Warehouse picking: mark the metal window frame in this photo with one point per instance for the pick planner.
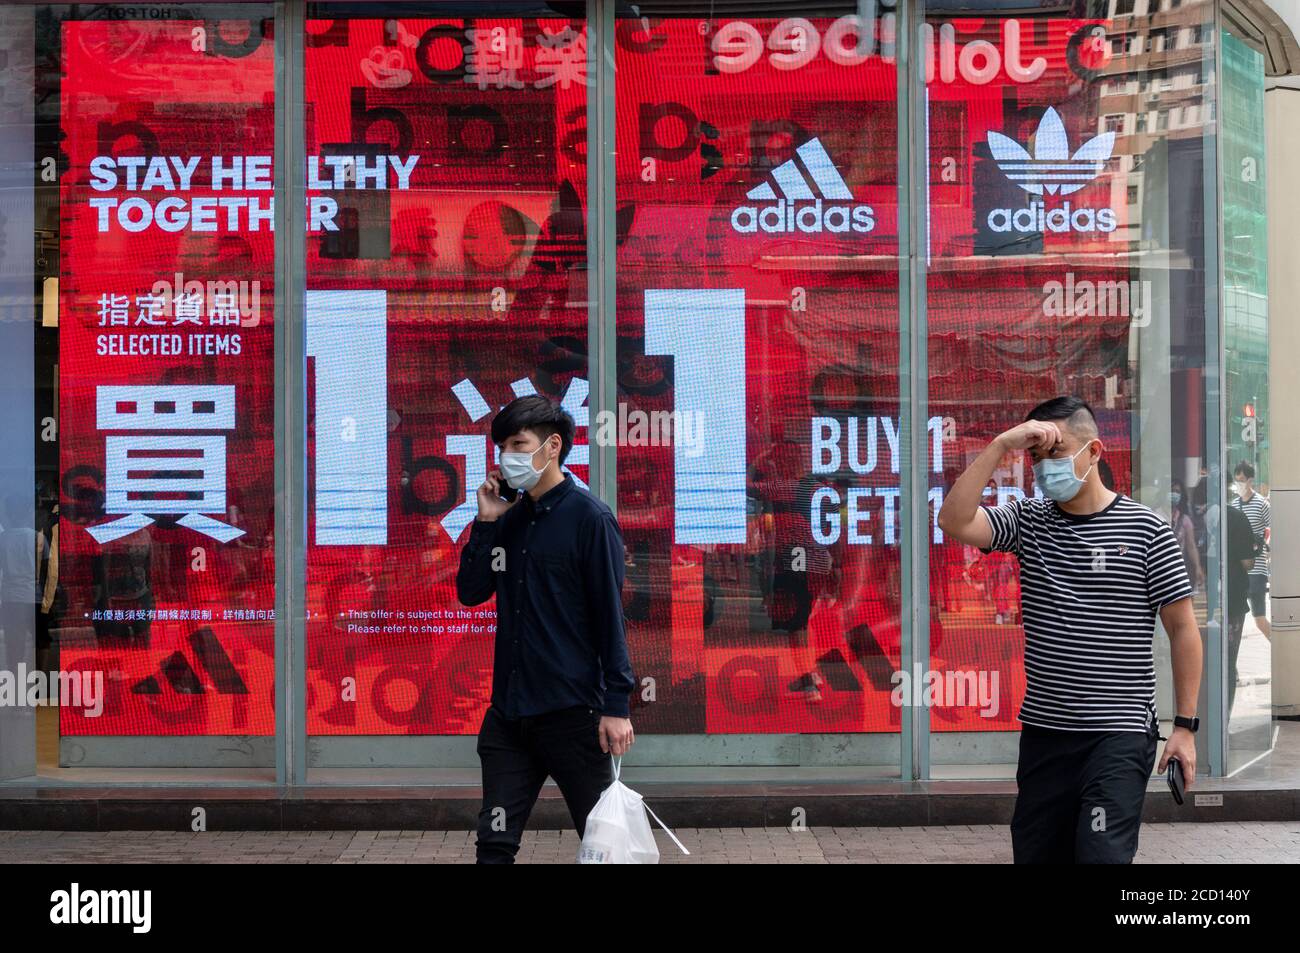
(913, 380)
(602, 250)
(290, 398)
(1215, 664)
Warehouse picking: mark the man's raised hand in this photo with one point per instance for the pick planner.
(490, 504)
(1032, 434)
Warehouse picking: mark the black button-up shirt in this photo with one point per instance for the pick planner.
(556, 567)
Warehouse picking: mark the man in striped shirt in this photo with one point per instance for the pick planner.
(1096, 568)
(1256, 509)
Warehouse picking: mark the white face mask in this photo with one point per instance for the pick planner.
(518, 469)
(1057, 479)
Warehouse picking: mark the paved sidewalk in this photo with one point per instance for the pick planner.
(1243, 843)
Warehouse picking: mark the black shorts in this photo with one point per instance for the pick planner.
(1080, 795)
(1257, 593)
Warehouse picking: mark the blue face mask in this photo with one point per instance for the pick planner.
(1056, 477)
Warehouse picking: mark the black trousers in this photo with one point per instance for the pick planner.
(1080, 795)
(517, 755)
(1236, 623)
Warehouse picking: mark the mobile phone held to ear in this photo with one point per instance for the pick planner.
(505, 491)
(1174, 775)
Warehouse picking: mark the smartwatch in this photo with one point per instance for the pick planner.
(1191, 724)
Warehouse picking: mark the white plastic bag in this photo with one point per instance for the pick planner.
(617, 831)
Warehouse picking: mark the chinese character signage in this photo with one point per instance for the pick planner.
(166, 374)
(758, 420)
(756, 242)
(429, 307)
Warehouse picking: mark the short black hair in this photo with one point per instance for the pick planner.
(1244, 469)
(536, 413)
(1075, 411)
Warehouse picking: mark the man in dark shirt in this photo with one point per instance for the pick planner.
(561, 679)
(1257, 511)
(1239, 539)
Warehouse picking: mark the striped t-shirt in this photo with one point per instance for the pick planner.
(1257, 511)
(1090, 588)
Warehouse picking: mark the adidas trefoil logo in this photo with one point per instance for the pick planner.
(806, 194)
(1051, 170)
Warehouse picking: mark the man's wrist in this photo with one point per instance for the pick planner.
(616, 706)
(481, 532)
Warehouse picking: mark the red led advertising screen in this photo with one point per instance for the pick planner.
(1028, 296)
(457, 284)
(758, 302)
(166, 376)
(757, 426)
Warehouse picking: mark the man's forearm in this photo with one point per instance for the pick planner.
(1185, 659)
(605, 571)
(475, 579)
(962, 500)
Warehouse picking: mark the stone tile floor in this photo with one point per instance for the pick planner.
(1237, 842)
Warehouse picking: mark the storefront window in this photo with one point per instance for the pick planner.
(142, 566)
(282, 279)
(757, 287)
(1070, 251)
(1249, 668)
(446, 274)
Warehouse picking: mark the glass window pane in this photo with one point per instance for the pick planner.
(137, 552)
(1071, 251)
(446, 274)
(757, 286)
(1247, 529)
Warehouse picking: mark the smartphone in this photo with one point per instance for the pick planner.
(1174, 775)
(504, 491)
